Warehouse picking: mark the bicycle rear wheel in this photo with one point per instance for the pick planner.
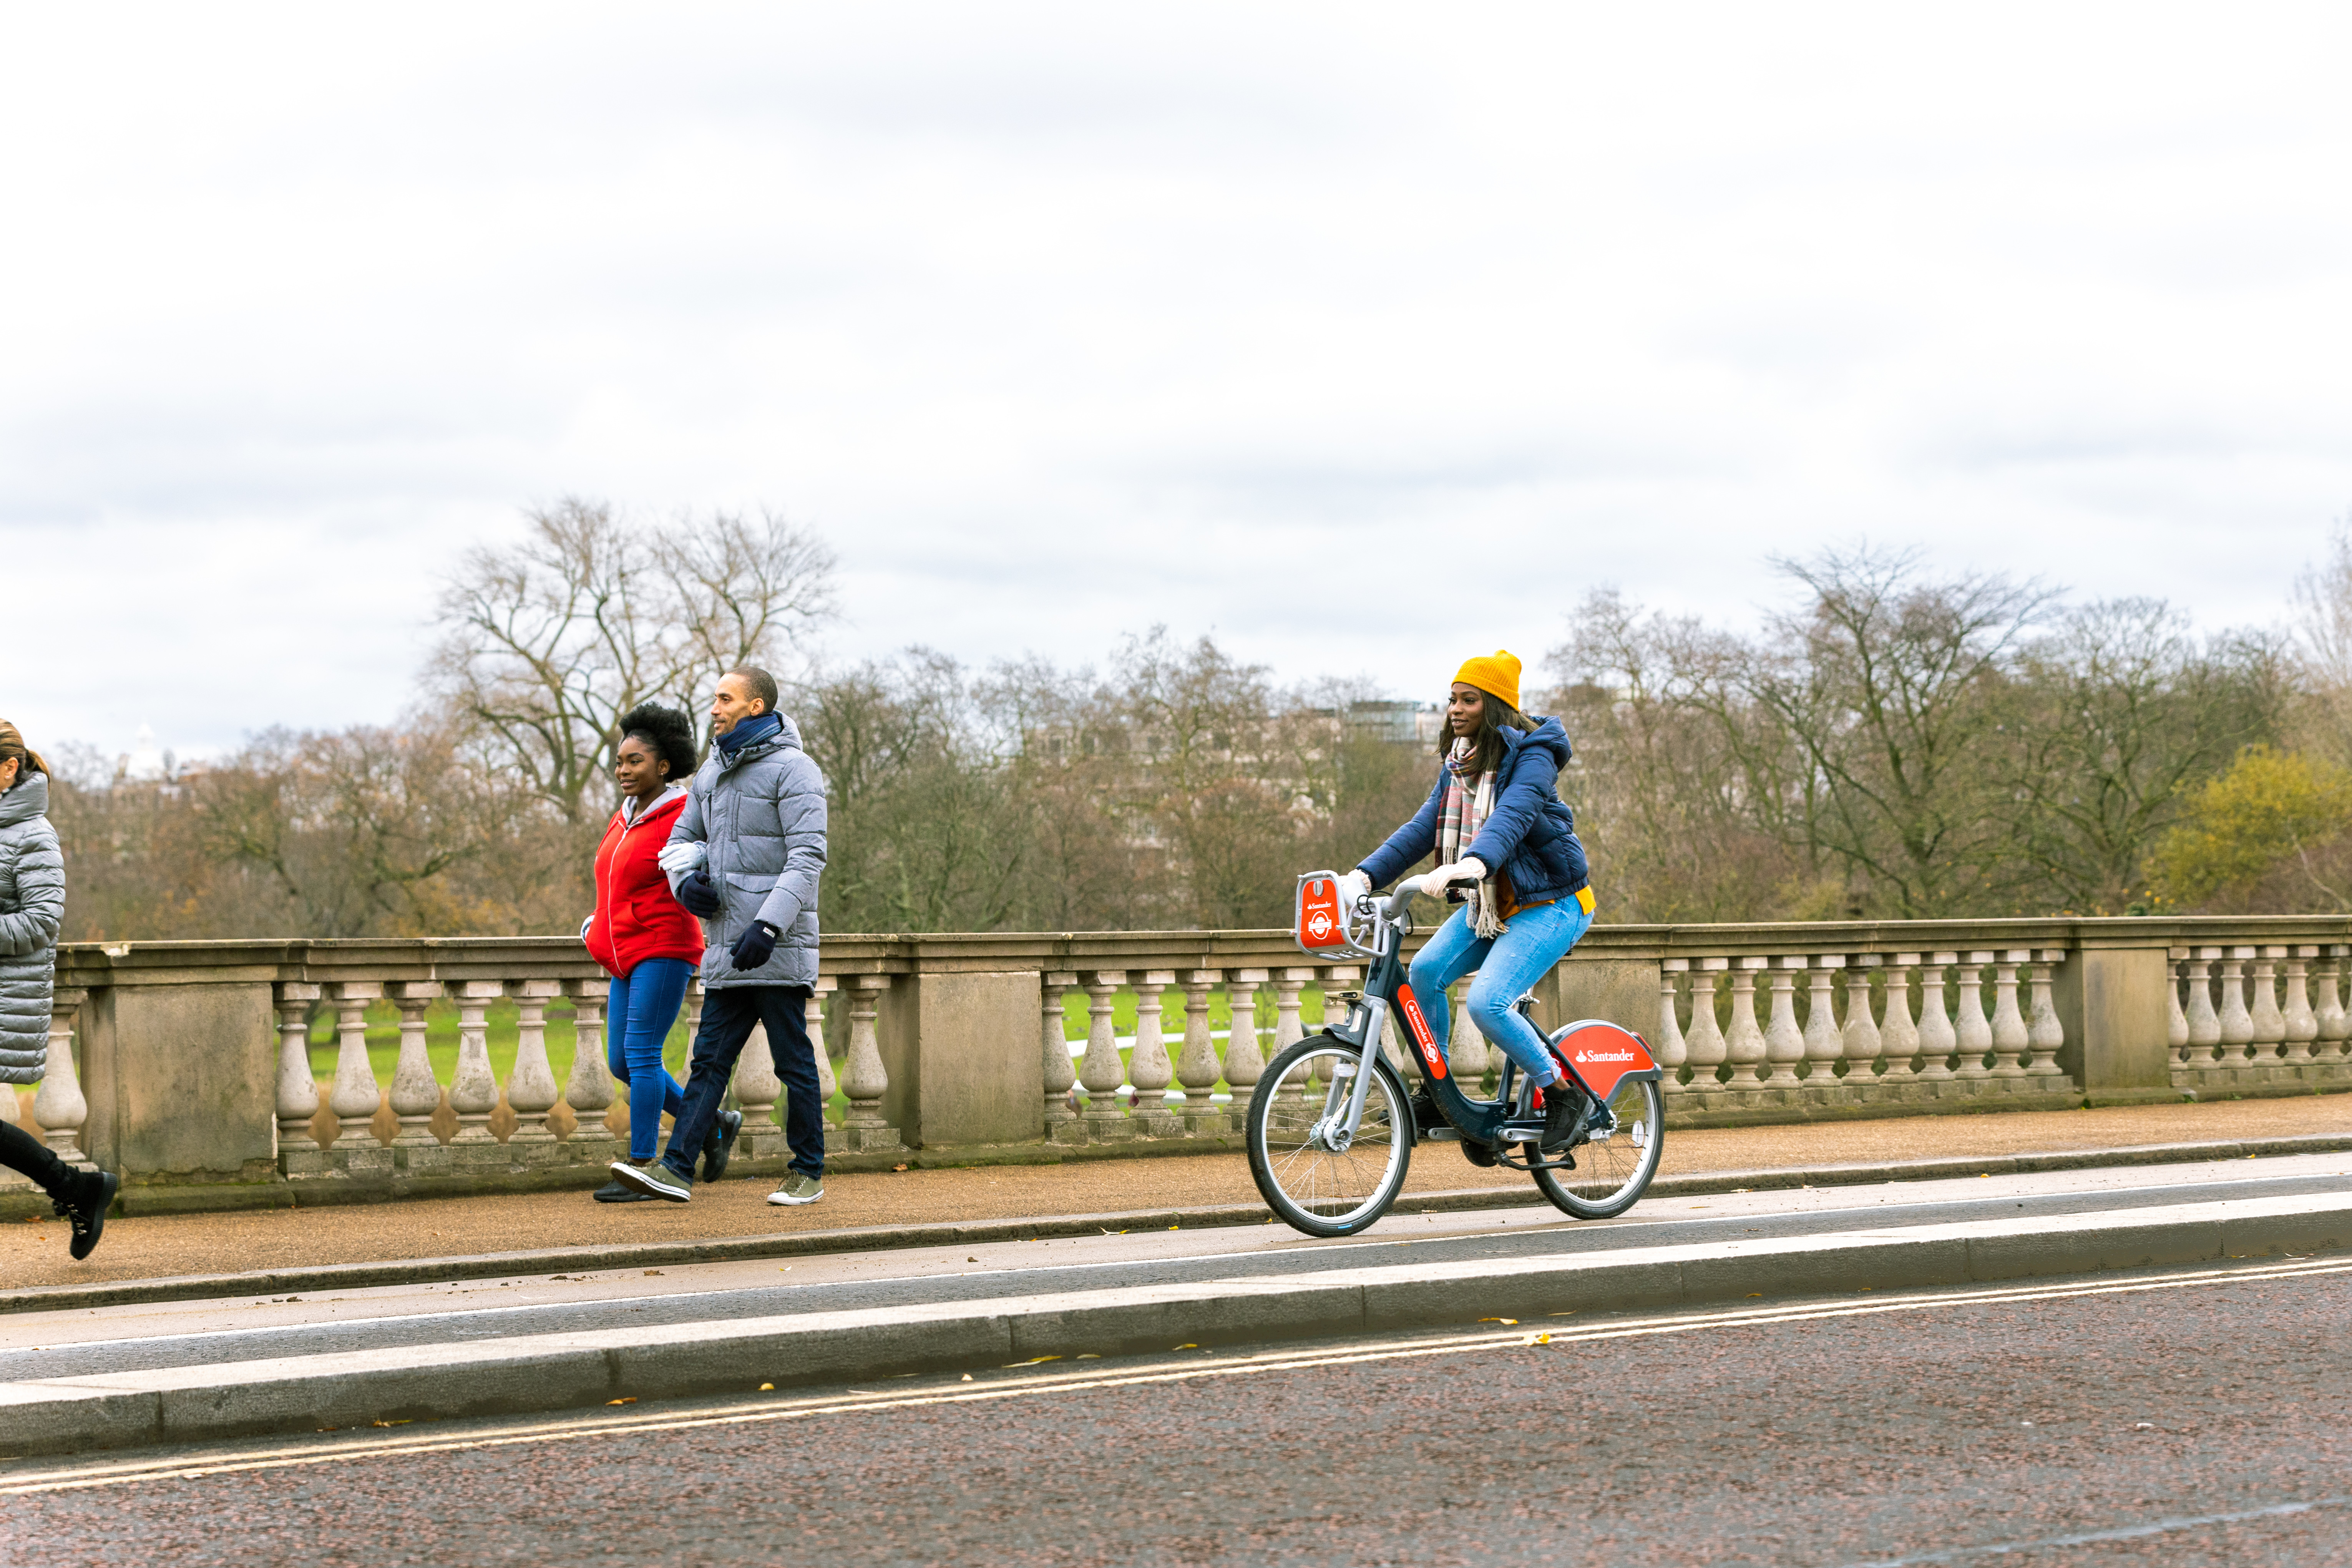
(1312, 1185)
(1613, 1170)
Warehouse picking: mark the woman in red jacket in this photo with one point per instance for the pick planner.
(644, 940)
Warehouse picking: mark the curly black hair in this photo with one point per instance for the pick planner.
(669, 732)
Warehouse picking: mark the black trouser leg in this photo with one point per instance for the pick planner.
(785, 1010)
(20, 1151)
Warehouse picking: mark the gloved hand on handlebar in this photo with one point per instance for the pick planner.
(1353, 886)
(1469, 868)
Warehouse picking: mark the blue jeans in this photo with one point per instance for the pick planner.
(728, 1013)
(636, 1025)
(1507, 965)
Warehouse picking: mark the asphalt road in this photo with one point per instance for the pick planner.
(2186, 1417)
(134, 1338)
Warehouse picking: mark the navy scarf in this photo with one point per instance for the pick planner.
(745, 731)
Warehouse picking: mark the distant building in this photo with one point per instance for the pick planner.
(1405, 723)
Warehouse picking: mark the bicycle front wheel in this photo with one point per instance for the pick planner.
(1316, 1179)
(1613, 1170)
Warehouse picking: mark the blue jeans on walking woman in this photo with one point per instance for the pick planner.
(1507, 965)
(637, 1025)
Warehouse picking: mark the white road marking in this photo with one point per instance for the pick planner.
(576, 1429)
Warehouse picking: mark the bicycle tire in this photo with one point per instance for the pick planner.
(1313, 1189)
(1612, 1173)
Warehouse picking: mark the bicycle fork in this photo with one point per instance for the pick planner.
(1343, 1109)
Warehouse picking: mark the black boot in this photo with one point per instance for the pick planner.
(719, 1146)
(84, 1201)
(1563, 1109)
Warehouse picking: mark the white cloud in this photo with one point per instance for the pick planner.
(1365, 337)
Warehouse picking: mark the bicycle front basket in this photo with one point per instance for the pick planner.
(1321, 927)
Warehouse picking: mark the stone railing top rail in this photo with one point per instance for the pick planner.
(563, 958)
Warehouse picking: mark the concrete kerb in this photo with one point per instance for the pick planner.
(875, 1239)
(734, 1356)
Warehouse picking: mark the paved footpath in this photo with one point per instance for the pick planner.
(140, 1248)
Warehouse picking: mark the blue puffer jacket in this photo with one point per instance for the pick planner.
(1529, 836)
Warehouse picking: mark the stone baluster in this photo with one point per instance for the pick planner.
(1054, 1055)
(58, 1105)
(1974, 1031)
(1149, 1070)
(588, 1087)
(813, 1012)
(2176, 1022)
(1468, 1057)
(2045, 1033)
(416, 1092)
(1705, 1046)
(1899, 1034)
(1744, 1046)
(1823, 1043)
(2204, 1023)
(2237, 1022)
(1245, 1058)
(862, 1077)
(1287, 985)
(299, 1154)
(2010, 1037)
(1197, 1069)
(530, 1088)
(1784, 1045)
(757, 1089)
(1339, 980)
(2333, 1023)
(1102, 1072)
(353, 1096)
(1937, 1040)
(1670, 1051)
(2269, 1024)
(2302, 1023)
(474, 1088)
(1860, 1042)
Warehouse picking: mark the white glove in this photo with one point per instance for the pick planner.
(1353, 886)
(676, 857)
(1469, 868)
(584, 925)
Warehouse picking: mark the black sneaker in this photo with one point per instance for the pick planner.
(720, 1147)
(1563, 1107)
(615, 1193)
(92, 1194)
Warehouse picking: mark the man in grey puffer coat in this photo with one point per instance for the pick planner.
(744, 857)
(32, 908)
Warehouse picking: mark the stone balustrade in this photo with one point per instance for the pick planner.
(189, 1066)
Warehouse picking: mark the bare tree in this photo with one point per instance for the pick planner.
(547, 643)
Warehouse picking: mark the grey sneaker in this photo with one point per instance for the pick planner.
(800, 1189)
(655, 1179)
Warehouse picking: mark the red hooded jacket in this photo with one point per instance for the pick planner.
(637, 917)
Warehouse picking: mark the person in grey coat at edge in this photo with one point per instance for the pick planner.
(32, 908)
(743, 857)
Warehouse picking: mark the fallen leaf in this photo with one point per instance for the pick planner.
(1512, 1322)
(652, 1271)
(1539, 1338)
(967, 1377)
(631, 1400)
(767, 1388)
(1753, 1294)
(1034, 1361)
(898, 1167)
(1188, 1347)
(972, 1261)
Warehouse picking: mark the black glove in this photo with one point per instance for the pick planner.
(755, 946)
(700, 899)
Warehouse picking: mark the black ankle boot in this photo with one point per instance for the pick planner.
(84, 1202)
(1563, 1105)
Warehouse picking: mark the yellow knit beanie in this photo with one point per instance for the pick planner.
(1496, 674)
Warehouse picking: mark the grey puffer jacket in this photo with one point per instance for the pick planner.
(762, 817)
(32, 908)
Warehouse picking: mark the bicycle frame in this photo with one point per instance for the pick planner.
(1604, 1054)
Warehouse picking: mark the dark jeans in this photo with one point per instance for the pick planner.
(20, 1151)
(728, 1013)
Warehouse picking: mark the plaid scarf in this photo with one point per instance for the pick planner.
(1462, 815)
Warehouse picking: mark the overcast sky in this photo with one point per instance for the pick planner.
(1362, 337)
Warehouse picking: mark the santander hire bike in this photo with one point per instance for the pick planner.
(1332, 1127)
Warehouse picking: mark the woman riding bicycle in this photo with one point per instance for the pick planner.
(1497, 824)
